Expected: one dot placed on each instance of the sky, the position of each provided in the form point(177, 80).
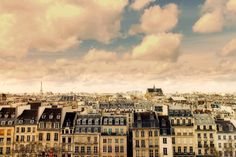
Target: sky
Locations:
point(117, 45)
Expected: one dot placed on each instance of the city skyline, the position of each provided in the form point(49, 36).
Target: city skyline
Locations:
point(117, 46)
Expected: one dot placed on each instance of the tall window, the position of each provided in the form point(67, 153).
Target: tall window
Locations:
point(150, 153)
point(165, 140)
point(55, 136)
point(48, 136)
point(165, 151)
point(142, 133)
point(150, 133)
point(40, 136)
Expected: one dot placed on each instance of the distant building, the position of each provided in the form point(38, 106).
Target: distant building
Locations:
point(152, 92)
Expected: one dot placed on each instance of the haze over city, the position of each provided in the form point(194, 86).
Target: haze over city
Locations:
point(117, 45)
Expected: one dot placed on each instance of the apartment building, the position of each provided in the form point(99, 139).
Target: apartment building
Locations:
point(87, 135)
point(182, 122)
point(49, 134)
point(67, 134)
point(145, 135)
point(205, 135)
point(25, 141)
point(165, 142)
point(226, 138)
point(7, 120)
point(114, 132)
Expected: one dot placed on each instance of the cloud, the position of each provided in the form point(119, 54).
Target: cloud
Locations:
point(229, 49)
point(139, 4)
point(54, 26)
point(216, 15)
point(157, 20)
point(100, 55)
point(161, 47)
point(231, 5)
point(209, 22)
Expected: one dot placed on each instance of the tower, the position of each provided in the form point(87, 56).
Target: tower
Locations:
point(41, 88)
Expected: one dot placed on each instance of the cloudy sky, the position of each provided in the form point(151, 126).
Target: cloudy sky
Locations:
point(117, 45)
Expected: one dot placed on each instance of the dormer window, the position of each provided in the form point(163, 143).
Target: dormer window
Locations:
point(79, 121)
point(95, 129)
point(3, 123)
point(12, 115)
point(58, 116)
point(90, 121)
point(117, 121)
point(88, 129)
point(50, 116)
point(20, 121)
point(32, 121)
point(105, 121)
point(9, 122)
point(164, 122)
point(84, 121)
point(43, 116)
point(6, 115)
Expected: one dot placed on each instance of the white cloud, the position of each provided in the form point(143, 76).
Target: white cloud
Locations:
point(231, 5)
point(54, 26)
point(100, 55)
point(216, 14)
point(160, 47)
point(157, 20)
point(229, 49)
point(209, 22)
point(139, 4)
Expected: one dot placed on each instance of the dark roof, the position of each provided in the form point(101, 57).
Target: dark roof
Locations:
point(69, 119)
point(225, 126)
point(51, 115)
point(165, 125)
point(145, 119)
point(156, 90)
point(180, 113)
point(7, 112)
point(27, 117)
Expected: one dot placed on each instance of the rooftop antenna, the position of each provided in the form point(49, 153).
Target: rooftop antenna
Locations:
point(41, 88)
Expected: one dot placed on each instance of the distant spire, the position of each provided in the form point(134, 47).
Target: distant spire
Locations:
point(41, 88)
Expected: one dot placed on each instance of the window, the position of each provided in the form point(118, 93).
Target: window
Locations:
point(1, 150)
point(116, 149)
point(136, 133)
point(219, 137)
point(150, 153)
point(90, 121)
point(104, 140)
point(110, 121)
point(122, 149)
point(117, 121)
point(137, 143)
point(48, 137)
point(69, 139)
point(199, 135)
point(191, 149)
point(28, 129)
point(155, 133)
point(179, 149)
point(40, 136)
point(184, 121)
point(28, 138)
point(165, 140)
point(95, 149)
point(185, 149)
point(82, 149)
point(150, 133)
point(165, 151)
point(142, 133)
point(204, 127)
point(109, 149)
point(142, 143)
point(8, 150)
point(121, 141)
point(22, 129)
point(88, 149)
point(17, 129)
point(156, 153)
point(104, 149)
point(198, 127)
point(210, 127)
point(76, 149)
